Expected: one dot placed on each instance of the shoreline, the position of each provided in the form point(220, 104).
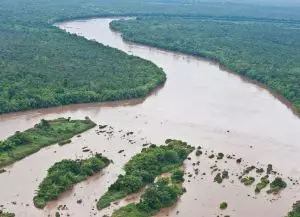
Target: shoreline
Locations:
point(274, 93)
point(139, 100)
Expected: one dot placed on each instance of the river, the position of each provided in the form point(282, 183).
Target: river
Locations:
point(200, 103)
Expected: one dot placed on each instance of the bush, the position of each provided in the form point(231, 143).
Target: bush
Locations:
point(223, 205)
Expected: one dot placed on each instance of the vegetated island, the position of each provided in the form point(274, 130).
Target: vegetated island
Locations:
point(265, 51)
point(6, 214)
point(45, 133)
point(296, 210)
point(144, 167)
point(64, 174)
point(163, 193)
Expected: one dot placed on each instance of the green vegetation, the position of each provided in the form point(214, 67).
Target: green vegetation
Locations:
point(144, 167)
point(64, 174)
point(276, 186)
point(42, 66)
point(264, 181)
point(248, 180)
point(161, 194)
point(5, 214)
point(265, 51)
point(296, 210)
point(45, 133)
point(177, 176)
point(218, 178)
point(223, 205)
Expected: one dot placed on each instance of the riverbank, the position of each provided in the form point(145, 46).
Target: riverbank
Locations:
point(200, 103)
point(220, 50)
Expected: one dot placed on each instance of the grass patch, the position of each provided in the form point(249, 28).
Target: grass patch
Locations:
point(144, 167)
point(296, 210)
point(45, 133)
point(64, 174)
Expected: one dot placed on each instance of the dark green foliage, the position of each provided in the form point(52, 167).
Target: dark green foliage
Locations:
point(267, 52)
point(64, 174)
point(248, 180)
point(177, 176)
point(45, 133)
point(223, 205)
point(157, 196)
point(218, 178)
point(296, 210)
point(277, 185)
point(144, 167)
point(6, 214)
point(264, 181)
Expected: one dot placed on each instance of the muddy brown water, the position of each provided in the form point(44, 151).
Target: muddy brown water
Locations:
point(200, 103)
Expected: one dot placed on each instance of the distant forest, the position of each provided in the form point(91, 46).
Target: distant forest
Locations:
point(265, 51)
point(42, 66)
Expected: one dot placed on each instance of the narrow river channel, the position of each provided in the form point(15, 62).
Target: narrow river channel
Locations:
point(200, 103)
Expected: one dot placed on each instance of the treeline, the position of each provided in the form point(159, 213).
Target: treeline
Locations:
point(268, 52)
point(45, 133)
point(42, 66)
point(143, 168)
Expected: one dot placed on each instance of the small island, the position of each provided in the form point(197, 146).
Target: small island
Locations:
point(163, 193)
point(45, 133)
point(64, 174)
point(144, 167)
point(6, 214)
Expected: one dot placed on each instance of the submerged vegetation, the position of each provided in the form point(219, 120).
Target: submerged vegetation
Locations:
point(6, 214)
point(144, 167)
point(163, 193)
point(45, 133)
point(265, 51)
point(264, 181)
point(64, 174)
point(223, 205)
point(277, 185)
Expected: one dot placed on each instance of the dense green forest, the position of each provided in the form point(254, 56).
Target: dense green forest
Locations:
point(144, 167)
point(45, 133)
point(64, 174)
point(42, 66)
point(163, 193)
point(267, 52)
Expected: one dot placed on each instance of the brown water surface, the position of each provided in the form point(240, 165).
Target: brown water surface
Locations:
point(200, 103)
